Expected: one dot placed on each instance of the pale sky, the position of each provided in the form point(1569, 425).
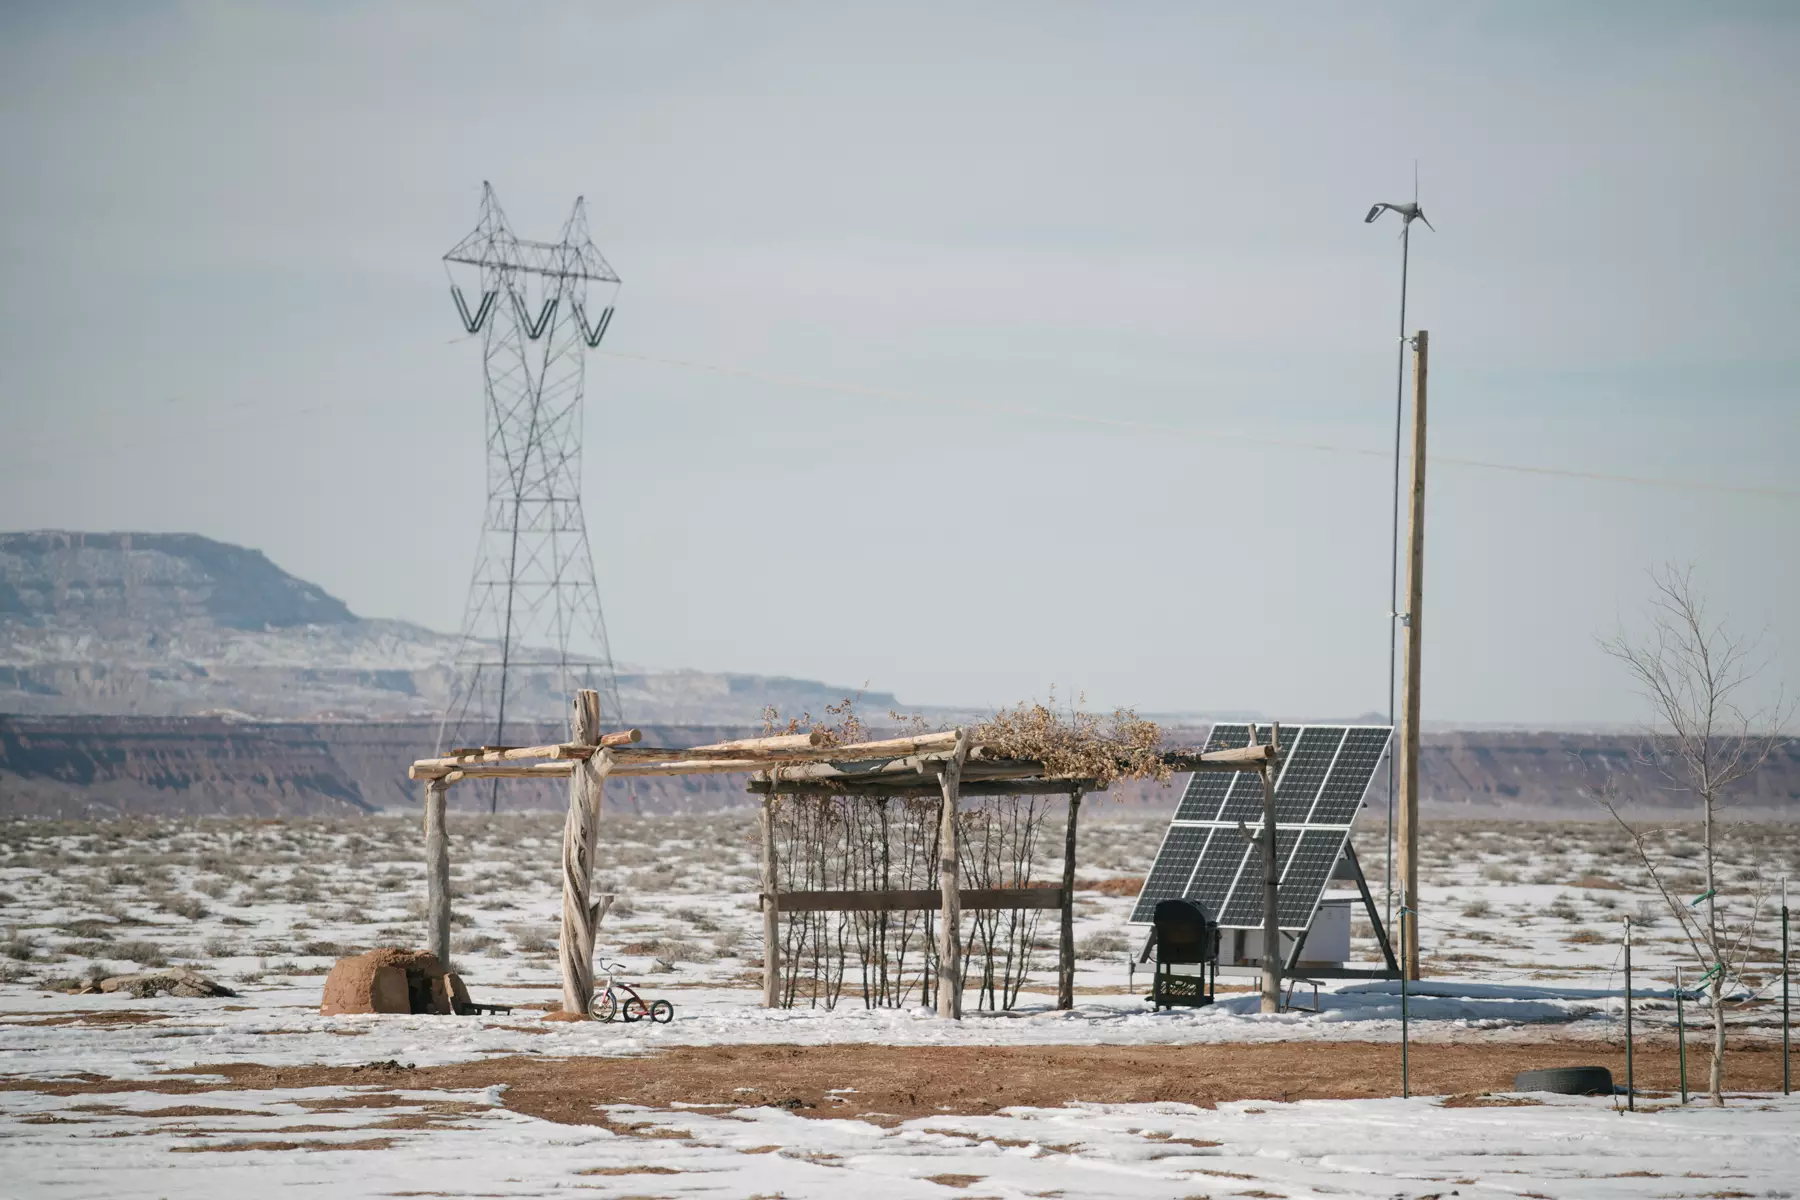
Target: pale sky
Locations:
point(225, 313)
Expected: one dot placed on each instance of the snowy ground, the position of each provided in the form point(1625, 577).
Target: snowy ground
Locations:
point(1520, 928)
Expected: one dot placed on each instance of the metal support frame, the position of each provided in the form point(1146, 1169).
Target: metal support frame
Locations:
point(532, 629)
point(1391, 971)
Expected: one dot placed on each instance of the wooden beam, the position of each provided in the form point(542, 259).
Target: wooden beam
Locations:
point(914, 786)
point(1243, 758)
point(437, 872)
point(920, 900)
point(950, 982)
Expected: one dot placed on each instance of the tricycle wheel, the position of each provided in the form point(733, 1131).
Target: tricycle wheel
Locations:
point(662, 1012)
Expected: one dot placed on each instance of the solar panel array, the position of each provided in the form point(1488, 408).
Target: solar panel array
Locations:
point(1325, 771)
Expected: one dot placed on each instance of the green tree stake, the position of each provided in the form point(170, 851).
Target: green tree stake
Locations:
point(1405, 1066)
point(1630, 1088)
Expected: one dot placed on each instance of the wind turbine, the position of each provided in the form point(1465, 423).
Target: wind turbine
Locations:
point(1408, 214)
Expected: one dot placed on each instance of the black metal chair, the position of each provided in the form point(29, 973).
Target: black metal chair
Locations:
point(1184, 936)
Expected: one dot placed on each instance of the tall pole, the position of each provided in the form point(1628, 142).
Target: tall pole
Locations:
point(1408, 840)
point(1271, 950)
point(1784, 988)
point(1394, 553)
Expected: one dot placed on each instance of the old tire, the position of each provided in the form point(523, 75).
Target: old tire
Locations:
point(1566, 1081)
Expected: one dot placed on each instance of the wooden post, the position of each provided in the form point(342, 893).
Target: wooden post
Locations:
point(581, 835)
point(1271, 952)
point(1408, 834)
point(950, 984)
point(771, 913)
point(437, 872)
point(1065, 965)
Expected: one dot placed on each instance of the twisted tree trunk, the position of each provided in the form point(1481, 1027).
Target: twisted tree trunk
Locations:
point(581, 834)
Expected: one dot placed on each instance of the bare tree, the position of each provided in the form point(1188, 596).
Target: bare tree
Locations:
point(1694, 671)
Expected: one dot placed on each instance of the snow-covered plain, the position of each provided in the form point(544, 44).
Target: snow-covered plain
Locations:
point(1520, 926)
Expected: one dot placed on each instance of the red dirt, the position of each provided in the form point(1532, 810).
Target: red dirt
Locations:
point(895, 1082)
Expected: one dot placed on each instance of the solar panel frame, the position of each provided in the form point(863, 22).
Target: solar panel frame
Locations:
point(1326, 771)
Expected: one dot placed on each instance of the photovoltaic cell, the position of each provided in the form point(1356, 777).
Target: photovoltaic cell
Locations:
point(1343, 792)
point(1304, 772)
point(1244, 908)
point(1307, 873)
point(1217, 868)
point(1174, 863)
point(1205, 792)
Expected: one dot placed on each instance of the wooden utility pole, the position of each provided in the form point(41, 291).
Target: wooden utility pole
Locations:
point(1065, 959)
point(437, 872)
point(1408, 839)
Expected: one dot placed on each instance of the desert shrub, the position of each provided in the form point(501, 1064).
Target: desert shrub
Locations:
point(222, 948)
point(185, 906)
point(534, 939)
point(324, 949)
point(475, 943)
point(18, 947)
point(1563, 909)
point(1101, 945)
point(144, 953)
point(1477, 908)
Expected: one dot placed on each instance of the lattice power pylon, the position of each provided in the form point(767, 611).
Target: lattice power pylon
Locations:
point(533, 629)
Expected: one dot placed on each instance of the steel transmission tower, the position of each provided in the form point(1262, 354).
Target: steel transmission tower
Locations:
point(533, 629)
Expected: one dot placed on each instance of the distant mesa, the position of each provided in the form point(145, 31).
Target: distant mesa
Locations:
point(155, 577)
point(180, 625)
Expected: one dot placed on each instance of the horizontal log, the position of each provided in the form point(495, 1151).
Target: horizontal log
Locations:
point(905, 787)
point(1242, 758)
point(426, 768)
point(801, 753)
point(922, 900)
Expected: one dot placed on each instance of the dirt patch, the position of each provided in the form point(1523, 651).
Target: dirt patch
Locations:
point(124, 1016)
point(1473, 1100)
point(1111, 887)
point(900, 1082)
point(230, 1147)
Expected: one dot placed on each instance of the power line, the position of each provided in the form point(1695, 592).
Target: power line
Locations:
point(1249, 439)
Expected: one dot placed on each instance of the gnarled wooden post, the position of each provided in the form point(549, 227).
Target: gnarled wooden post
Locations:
point(771, 912)
point(950, 984)
point(437, 872)
point(581, 834)
point(1065, 962)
